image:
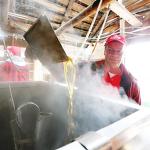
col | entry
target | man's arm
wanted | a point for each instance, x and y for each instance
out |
(134, 92)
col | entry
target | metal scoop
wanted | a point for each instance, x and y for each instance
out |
(44, 43)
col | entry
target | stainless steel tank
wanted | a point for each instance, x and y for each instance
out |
(90, 113)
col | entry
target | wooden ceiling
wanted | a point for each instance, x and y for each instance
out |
(18, 15)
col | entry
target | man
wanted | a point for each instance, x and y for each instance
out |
(114, 72)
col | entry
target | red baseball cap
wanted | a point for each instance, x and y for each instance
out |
(116, 37)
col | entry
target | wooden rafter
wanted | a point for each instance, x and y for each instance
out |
(68, 10)
(55, 10)
(111, 28)
(21, 17)
(12, 5)
(16, 24)
(129, 2)
(115, 27)
(25, 26)
(91, 9)
(97, 27)
(63, 2)
(121, 11)
(113, 18)
(131, 8)
(17, 42)
(4, 8)
(87, 2)
(145, 21)
(83, 25)
(138, 5)
(51, 6)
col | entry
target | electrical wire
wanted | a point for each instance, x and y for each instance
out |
(92, 24)
(11, 98)
(100, 33)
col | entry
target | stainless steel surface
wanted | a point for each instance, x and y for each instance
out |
(140, 142)
(92, 140)
(123, 131)
(130, 133)
(91, 112)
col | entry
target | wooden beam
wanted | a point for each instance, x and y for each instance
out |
(54, 18)
(129, 3)
(88, 18)
(68, 11)
(12, 6)
(4, 7)
(25, 27)
(17, 42)
(97, 27)
(21, 17)
(51, 6)
(85, 13)
(131, 8)
(121, 11)
(77, 7)
(76, 31)
(63, 2)
(111, 28)
(16, 26)
(9, 30)
(87, 2)
(143, 30)
(83, 25)
(115, 27)
(122, 21)
(145, 20)
(138, 5)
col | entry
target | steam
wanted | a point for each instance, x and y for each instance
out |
(71, 41)
(97, 105)
(92, 83)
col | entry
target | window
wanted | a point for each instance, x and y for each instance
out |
(137, 60)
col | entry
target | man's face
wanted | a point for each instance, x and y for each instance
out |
(113, 53)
